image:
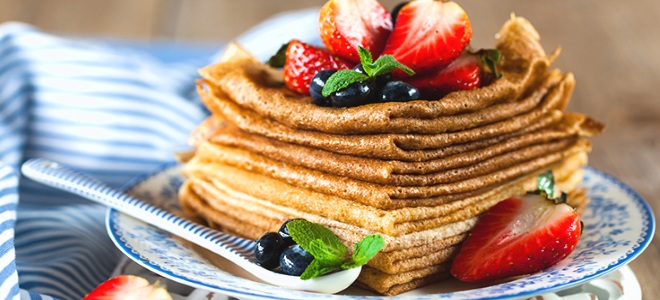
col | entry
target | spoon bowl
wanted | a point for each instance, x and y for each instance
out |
(58, 176)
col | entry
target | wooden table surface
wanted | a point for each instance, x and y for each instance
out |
(613, 47)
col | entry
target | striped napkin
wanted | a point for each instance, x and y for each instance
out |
(114, 111)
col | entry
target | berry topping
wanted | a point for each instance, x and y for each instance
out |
(348, 88)
(429, 34)
(128, 287)
(284, 231)
(303, 61)
(468, 71)
(346, 24)
(316, 87)
(357, 93)
(294, 260)
(268, 250)
(398, 91)
(396, 9)
(518, 236)
(462, 74)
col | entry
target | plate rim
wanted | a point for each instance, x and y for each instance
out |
(649, 223)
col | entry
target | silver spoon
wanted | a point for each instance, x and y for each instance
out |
(58, 176)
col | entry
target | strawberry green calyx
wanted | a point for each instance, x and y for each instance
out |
(489, 58)
(330, 254)
(383, 65)
(279, 58)
(545, 184)
(545, 187)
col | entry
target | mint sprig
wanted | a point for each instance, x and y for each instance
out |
(364, 251)
(383, 65)
(330, 254)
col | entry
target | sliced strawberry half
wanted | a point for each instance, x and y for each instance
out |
(462, 74)
(346, 24)
(518, 236)
(128, 287)
(303, 61)
(429, 34)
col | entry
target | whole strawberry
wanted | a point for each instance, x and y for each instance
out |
(346, 24)
(518, 236)
(429, 34)
(128, 287)
(303, 61)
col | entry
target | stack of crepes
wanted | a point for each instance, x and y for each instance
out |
(417, 173)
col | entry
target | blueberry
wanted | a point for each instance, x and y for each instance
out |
(316, 86)
(284, 233)
(294, 260)
(381, 80)
(398, 91)
(395, 11)
(355, 94)
(268, 250)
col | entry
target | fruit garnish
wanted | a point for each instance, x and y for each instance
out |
(395, 11)
(328, 251)
(284, 233)
(344, 85)
(429, 34)
(128, 287)
(398, 91)
(463, 73)
(303, 61)
(346, 24)
(467, 72)
(269, 247)
(316, 87)
(355, 94)
(518, 236)
(294, 260)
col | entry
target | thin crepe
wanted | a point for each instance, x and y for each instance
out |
(247, 82)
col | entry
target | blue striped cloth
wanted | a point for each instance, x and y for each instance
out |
(109, 110)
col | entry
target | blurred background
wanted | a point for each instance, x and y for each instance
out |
(613, 47)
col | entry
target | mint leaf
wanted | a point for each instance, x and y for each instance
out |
(365, 250)
(386, 64)
(317, 268)
(546, 184)
(305, 232)
(326, 253)
(279, 58)
(342, 79)
(366, 60)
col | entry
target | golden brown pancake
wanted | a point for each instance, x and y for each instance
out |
(377, 170)
(271, 195)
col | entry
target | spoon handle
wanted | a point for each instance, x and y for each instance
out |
(61, 177)
(232, 248)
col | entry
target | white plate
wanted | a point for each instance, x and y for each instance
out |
(618, 225)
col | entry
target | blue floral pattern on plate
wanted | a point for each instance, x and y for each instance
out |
(618, 226)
